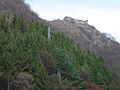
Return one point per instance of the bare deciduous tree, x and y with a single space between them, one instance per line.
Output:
17 7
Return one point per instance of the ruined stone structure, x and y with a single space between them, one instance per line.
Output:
75 21
89 38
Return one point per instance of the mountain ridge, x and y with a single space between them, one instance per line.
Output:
31 61
89 38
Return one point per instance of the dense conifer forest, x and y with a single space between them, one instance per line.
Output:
56 63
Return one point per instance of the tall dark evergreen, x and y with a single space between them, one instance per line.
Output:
20 52
30 61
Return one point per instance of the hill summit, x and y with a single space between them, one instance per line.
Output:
90 39
34 57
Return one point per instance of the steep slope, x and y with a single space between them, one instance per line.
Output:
15 6
89 38
29 60
18 7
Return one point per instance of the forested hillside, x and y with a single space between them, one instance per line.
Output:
31 61
89 38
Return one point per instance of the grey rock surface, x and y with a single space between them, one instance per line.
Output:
89 38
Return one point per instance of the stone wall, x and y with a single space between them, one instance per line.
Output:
75 21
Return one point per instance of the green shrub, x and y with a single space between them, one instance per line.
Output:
20 47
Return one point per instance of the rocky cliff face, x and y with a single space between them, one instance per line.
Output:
27 64
89 38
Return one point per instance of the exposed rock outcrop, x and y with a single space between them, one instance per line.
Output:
89 38
75 21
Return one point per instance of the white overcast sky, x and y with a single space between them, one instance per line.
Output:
103 14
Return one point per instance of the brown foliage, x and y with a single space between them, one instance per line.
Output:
48 63
92 86
17 7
